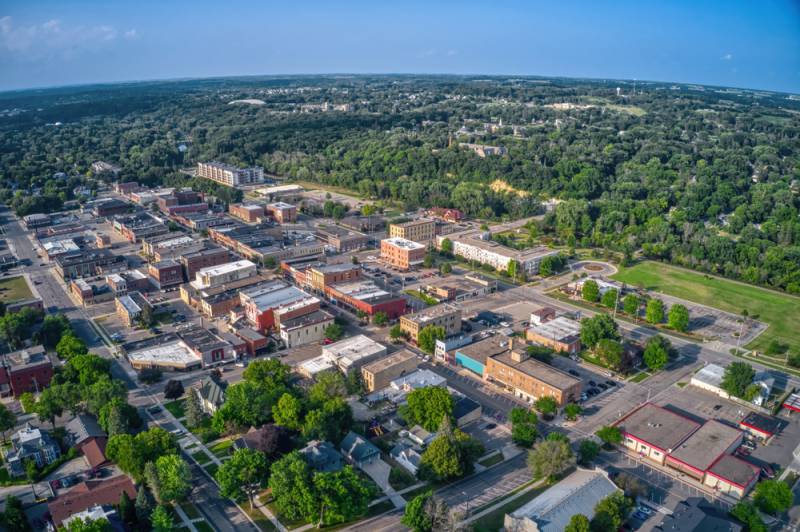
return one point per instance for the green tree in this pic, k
(7, 420)
(657, 352)
(427, 262)
(416, 516)
(269, 373)
(512, 269)
(193, 410)
(161, 520)
(28, 402)
(175, 477)
(428, 406)
(522, 415)
(609, 435)
(292, 488)
(131, 453)
(380, 319)
(330, 422)
(737, 377)
(426, 338)
(597, 328)
(611, 512)
(242, 476)
(329, 384)
(334, 332)
(50, 405)
(88, 525)
(609, 299)
(395, 333)
(445, 268)
(14, 515)
(654, 312)
(549, 458)
(572, 411)
(70, 346)
(773, 496)
(450, 455)
(587, 452)
(144, 505)
(342, 496)
(288, 412)
(126, 509)
(524, 434)
(447, 247)
(746, 513)
(53, 328)
(678, 318)
(611, 352)
(577, 523)
(630, 304)
(546, 405)
(590, 291)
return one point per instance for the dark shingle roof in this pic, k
(82, 427)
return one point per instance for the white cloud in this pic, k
(727, 57)
(452, 52)
(52, 38)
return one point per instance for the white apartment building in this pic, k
(223, 274)
(473, 245)
(230, 175)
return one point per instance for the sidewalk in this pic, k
(502, 502)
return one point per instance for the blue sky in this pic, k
(752, 44)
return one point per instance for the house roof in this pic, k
(696, 514)
(82, 427)
(322, 456)
(95, 452)
(211, 391)
(90, 493)
(357, 447)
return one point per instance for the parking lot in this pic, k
(490, 433)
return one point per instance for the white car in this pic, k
(646, 510)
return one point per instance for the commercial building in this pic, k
(255, 343)
(252, 242)
(422, 378)
(203, 220)
(379, 374)
(248, 212)
(282, 213)
(530, 379)
(224, 274)
(230, 175)
(353, 353)
(128, 281)
(181, 202)
(187, 350)
(32, 221)
(422, 230)
(108, 207)
(401, 253)
(305, 329)
(364, 224)
(168, 246)
(367, 297)
(476, 245)
(461, 288)
(220, 300)
(27, 370)
(131, 306)
(703, 448)
(88, 263)
(320, 278)
(473, 356)
(444, 315)
(653, 432)
(266, 306)
(578, 493)
(340, 239)
(210, 255)
(466, 411)
(732, 476)
(166, 273)
(53, 248)
(709, 378)
(448, 215)
(138, 226)
(761, 426)
(561, 334)
(280, 191)
(102, 240)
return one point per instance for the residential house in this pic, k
(358, 450)
(322, 456)
(30, 443)
(211, 395)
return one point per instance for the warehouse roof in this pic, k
(704, 446)
(657, 426)
(734, 470)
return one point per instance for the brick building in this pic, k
(282, 213)
(166, 273)
(422, 230)
(27, 370)
(210, 255)
(401, 253)
(443, 315)
(248, 212)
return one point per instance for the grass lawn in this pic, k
(190, 510)
(261, 520)
(202, 526)
(413, 493)
(290, 525)
(493, 521)
(176, 407)
(14, 289)
(777, 309)
(211, 468)
(221, 448)
(399, 478)
(639, 377)
(201, 457)
(492, 460)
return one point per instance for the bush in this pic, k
(150, 375)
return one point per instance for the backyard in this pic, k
(778, 310)
(14, 289)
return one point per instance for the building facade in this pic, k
(401, 253)
(230, 175)
(422, 230)
(445, 315)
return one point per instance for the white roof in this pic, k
(403, 243)
(174, 242)
(280, 205)
(315, 365)
(418, 379)
(226, 268)
(350, 350)
(710, 375)
(280, 188)
(60, 246)
(559, 329)
(173, 354)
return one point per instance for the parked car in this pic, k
(767, 472)
(490, 426)
(602, 386)
(742, 451)
(573, 372)
(717, 407)
(747, 444)
(640, 516)
(646, 510)
(611, 383)
(592, 383)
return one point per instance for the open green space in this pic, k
(14, 289)
(221, 448)
(425, 298)
(492, 460)
(493, 521)
(176, 408)
(774, 308)
(201, 457)
(261, 520)
(639, 377)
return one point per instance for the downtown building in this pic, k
(477, 246)
(229, 175)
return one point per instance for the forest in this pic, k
(703, 177)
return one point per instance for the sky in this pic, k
(747, 44)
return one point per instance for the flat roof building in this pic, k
(653, 431)
(366, 296)
(380, 373)
(282, 213)
(224, 273)
(401, 253)
(422, 230)
(305, 329)
(353, 353)
(477, 245)
(340, 239)
(732, 476)
(704, 447)
(560, 334)
(229, 175)
(442, 315)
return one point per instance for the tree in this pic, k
(415, 515)
(89, 525)
(427, 262)
(275, 441)
(53, 328)
(657, 352)
(654, 312)
(173, 389)
(610, 512)
(292, 488)
(49, 406)
(773, 496)
(14, 516)
(746, 513)
(524, 434)
(193, 410)
(512, 268)
(597, 328)
(572, 411)
(334, 332)
(540, 353)
(426, 338)
(28, 402)
(343, 496)
(7, 420)
(447, 246)
(549, 458)
(678, 318)
(131, 453)
(330, 422)
(241, 476)
(611, 352)
(269, 373)
(328, 384)
(288, 412)
(577, 523)
(175, 477)
(546, 405)
(590, 291)
(428, 406)
(144, 505)
(380, 319)
(632, 486)
(587, 452)
(395, 333)
(70, 346)
(450, 455)
(630, 304)
(153, 482)
(737, 377)
(610, 435)
(609, 299)
(112, 419)
(126, 509)
(161, 520)
(445, 268)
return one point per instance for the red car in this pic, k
(742, 451)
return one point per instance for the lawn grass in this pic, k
(211, 469)
(492, 460)
(176, 408)
(493, 521)
(413, 493)
(201, 457)
(289, 524)
(202, 526)
(14, 289)
(774, 308)
(222, 448)
(190, 510)
(261, 520)
(639, 377)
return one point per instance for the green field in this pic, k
(779, 311)
(14, 289)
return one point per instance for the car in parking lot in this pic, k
(767, 472)
(742, 451)
(611, 383)
(584, 396)
(573, 372)
(155, 409)
(646, 510)
(490, 426)
(602, 386)
(591, 392)
(717, 407)
(592, 383)
(640, 516)
(747, 444)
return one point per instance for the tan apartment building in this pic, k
(443, 315)
(230, 175)
(422, 230)
(377, 375)
(401, 253)
(321, 277)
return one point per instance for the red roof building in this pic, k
(90, 493)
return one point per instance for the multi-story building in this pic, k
(108, 207)
(32, 221)
(379, 374)
(319, 278)
(444, 315)
(367, 297)
(30, 443)
(305, 329)
(88, 263)
(129, 281)
(224, 274)
(201, 220)
(131, 306)
(206, 257)
(266, 306)
(282, 212)
(477, 246)
(169, 246)
(364, 224)
(341, 239)
(530, 379)
(252, 242)
(422, 230)
(28, 370)
(230, 175)
(561, 334)
(82, 291)
(401, 253)
(102, 240)
(219, 300)
(138, 226)
(461, 288)
(166, 273)
(248, 212)
(483, 150)
(182, 202)
(352, 353)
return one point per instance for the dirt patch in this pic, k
(593, 267)
(498, 185)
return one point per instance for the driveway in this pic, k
(378, 471)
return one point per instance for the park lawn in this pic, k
(221, 448)
(778, 310)
(14, 289)
(176, 408)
